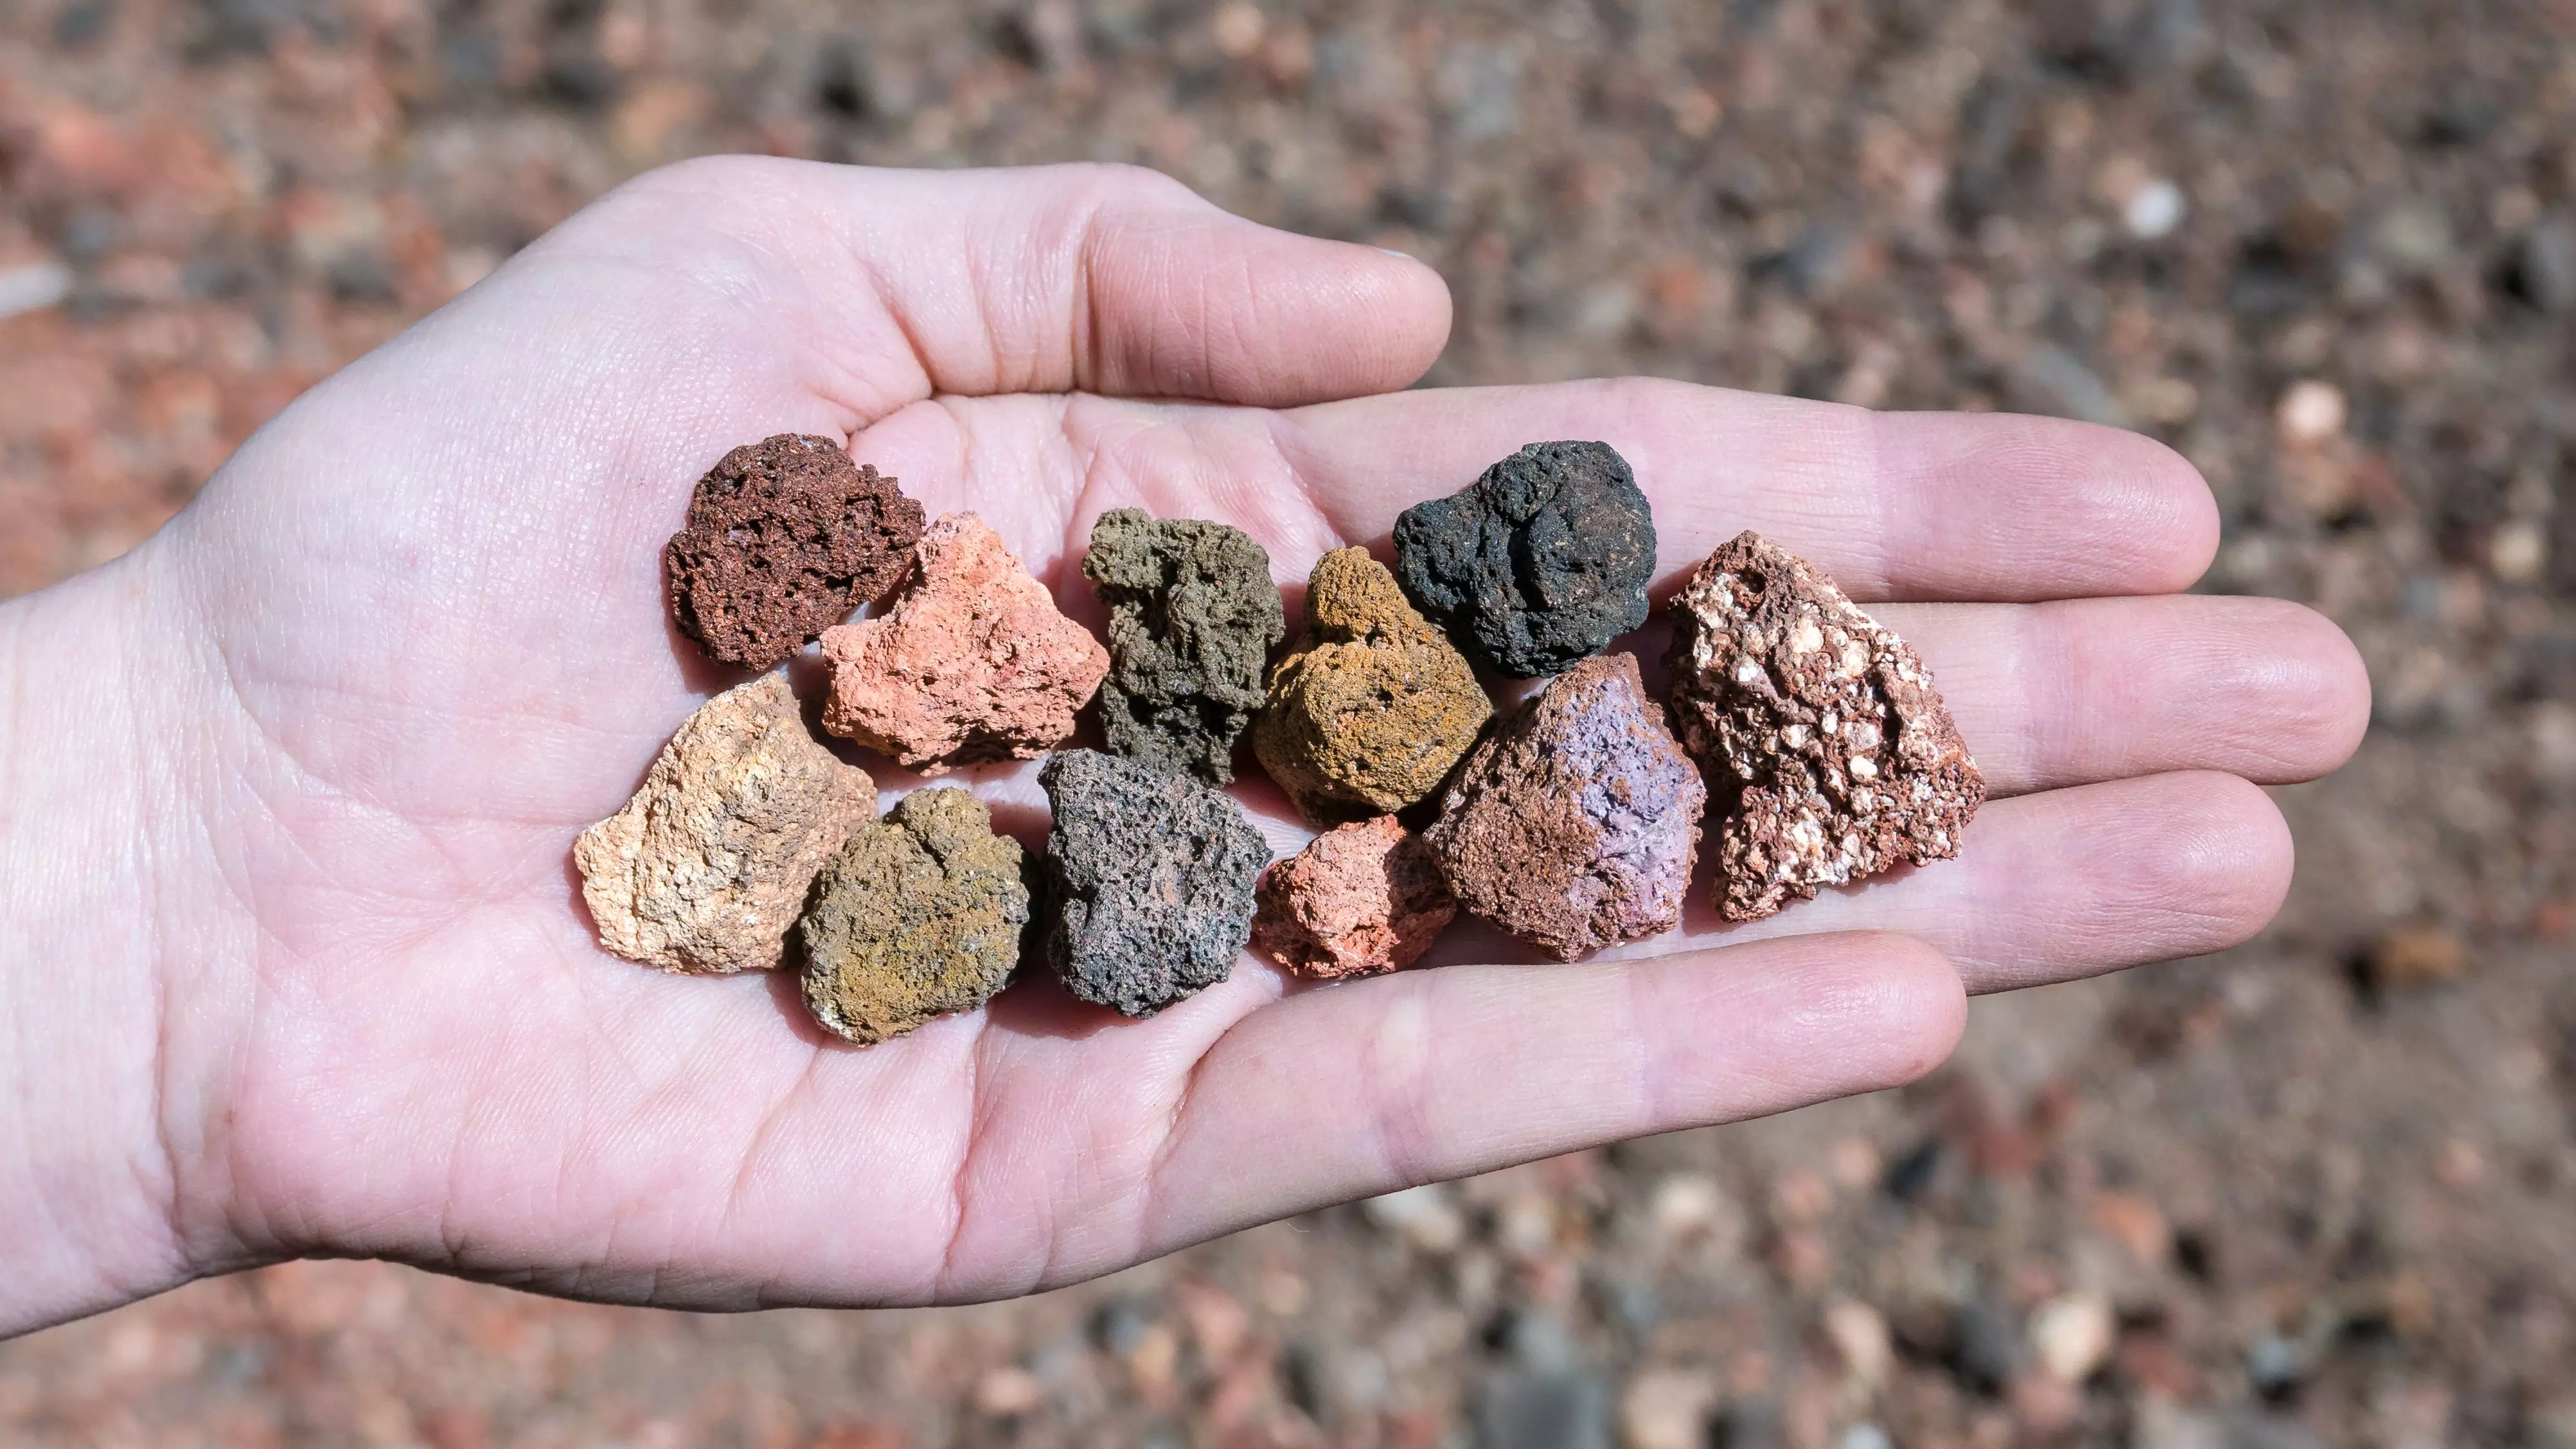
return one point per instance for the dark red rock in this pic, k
(1575, 824)
(786, 536)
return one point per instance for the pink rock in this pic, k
(1361, 899)
(973, 662)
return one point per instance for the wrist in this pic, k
(111, 935)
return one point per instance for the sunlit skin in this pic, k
(292, 961)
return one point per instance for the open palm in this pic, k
(429, 621)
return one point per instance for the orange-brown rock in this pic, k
(1369, 709)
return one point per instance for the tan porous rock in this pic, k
(974, 661)
(1830, 755)
(1360, 899)
(707, 867)
(1371, 706)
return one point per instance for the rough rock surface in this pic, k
(1541, 562)
(973, 662)
(1193, 617)
(917, 917)
(1149, 881)
(1575, 824)
(1371, 706)
(786, 536)
(1821, 724)
(706, 869)
(1360, 899)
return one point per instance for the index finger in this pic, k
(1892, 505)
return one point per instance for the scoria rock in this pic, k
(1149, 881)
(1360, 899)
(1541, 562)
(1193, 617)
(706, 869)
(786, 536)
(972, 663)
(1575, 824)
(1371, 706)
(1835, 757)
(919, 916)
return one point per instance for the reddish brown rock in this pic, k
(973, 662)
(786, 536)
(707, 868)
(1575, 824)
(1833, 754)
(1360, 899)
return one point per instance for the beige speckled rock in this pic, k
(707, 868)
(974, 662)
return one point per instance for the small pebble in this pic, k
(1575, 824)
(708, 866)
(973, 663)
(1149, 882)
(919, 916)
(1370, 707)
(1541, 562)
(786, 536)
(1360, 899)
(1825, 726)
(1193, 617)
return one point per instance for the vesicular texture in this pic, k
(1371, 706)
(708, 865)
(1819, 723)
(785, 537)
(919, 916)
(1149, 881)
(1541, 562)
(1575, 824)
(1193, 617)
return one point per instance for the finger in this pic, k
(1892, 505)
(2068, 884)
(2100, 689)
(1107, 279)
(1423, 1076)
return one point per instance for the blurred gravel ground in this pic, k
(2321, 1190)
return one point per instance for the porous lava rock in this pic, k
(1193, 617)
(919, 916)
(973, 662)
(785, 537)
(707, 867)
(1360, 899)
(1371, 706)
(1148, 881)
(1541, 562)
(1575, 824)
(1832, 752)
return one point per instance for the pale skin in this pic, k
(291, 962)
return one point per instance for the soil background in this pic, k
(2318, 1190)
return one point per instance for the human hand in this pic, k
(297, 966)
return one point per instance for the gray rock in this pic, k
(1148, 881)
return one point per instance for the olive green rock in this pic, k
(919, 916)
(1371, 707)
(1193, 617)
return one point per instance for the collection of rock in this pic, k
(1573, 823)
